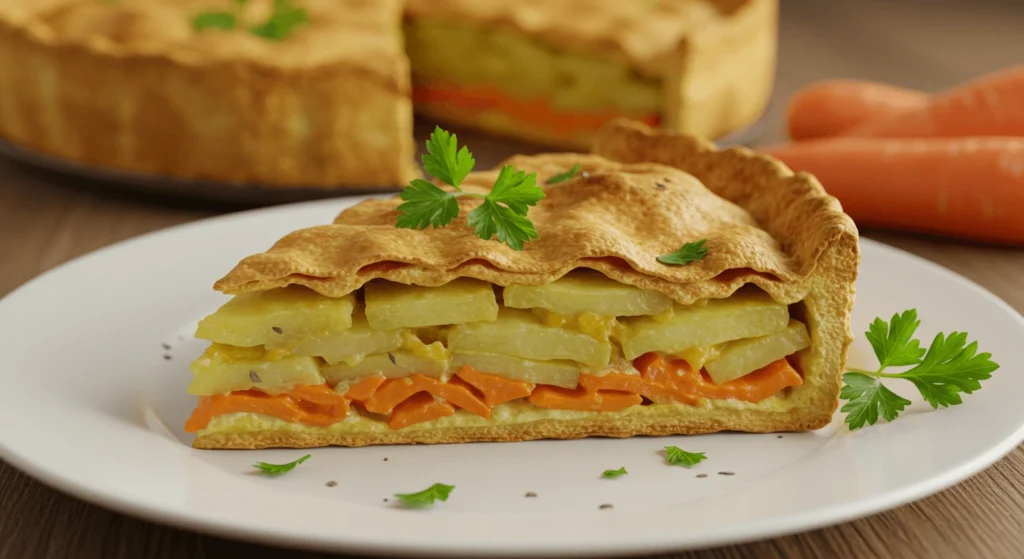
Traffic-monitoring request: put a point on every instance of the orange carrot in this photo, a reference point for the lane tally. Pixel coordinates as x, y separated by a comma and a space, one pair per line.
832, 107
992, 105
967, 187
418, 408
545, 396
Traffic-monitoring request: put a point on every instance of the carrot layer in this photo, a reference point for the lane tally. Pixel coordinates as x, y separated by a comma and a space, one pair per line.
310, 405
418, 408
419, 398
581, 399
537, 113
395, 391
496, 390
754, 387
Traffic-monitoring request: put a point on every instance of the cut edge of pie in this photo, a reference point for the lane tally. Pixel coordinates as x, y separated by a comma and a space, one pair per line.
148, 94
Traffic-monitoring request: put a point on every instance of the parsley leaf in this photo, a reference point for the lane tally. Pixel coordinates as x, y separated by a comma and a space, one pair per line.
444, 160
283, 19
214, 20
427, 497
278, 469
679, 457
504, 208
893, 345
426, 204
615, 473
690, 252
517, 191
491, 219
562, 177
867, 399
950, 366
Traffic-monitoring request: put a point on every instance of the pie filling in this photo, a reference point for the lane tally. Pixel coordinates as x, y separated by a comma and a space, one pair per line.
478, 72
402, 354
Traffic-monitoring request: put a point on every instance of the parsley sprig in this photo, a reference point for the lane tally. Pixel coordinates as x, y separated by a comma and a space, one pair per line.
278, 469
679, 457
612, 474
427, 497
562, 177
504, 208
282, 20
689, 252
950, 366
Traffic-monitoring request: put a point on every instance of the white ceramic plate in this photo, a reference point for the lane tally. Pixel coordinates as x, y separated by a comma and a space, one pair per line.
93, 404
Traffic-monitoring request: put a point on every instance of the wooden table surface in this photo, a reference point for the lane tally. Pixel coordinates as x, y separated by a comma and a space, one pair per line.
46, 219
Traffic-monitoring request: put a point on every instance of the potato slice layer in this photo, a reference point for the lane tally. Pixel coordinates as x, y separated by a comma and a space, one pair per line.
556, 373
746, 356
224, 369
276, 318
587, 291
743, 315
390, 306
522, 334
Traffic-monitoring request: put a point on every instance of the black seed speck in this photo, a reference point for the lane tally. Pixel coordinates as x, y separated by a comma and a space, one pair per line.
779, 437
391, 356
530, 494
702, 475
605, 506
166, 345
385, 458
253, 376
659, 186
726, 473
385, 499
276, 329
167, 357
331, 483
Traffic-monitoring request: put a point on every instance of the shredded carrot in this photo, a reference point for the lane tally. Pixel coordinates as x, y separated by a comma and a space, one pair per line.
418, 408
496, 390
834, 107
395, 391
310, 405
966, 187
753, 387
581, 399
653, 391
365, 388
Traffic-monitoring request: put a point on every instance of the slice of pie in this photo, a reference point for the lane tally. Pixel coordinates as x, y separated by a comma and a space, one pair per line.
555, 72
360, 333
252, 92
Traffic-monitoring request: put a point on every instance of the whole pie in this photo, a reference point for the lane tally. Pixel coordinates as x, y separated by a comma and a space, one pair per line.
361, 332
322, 92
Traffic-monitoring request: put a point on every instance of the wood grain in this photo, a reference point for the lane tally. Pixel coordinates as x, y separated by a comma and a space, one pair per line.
46, 219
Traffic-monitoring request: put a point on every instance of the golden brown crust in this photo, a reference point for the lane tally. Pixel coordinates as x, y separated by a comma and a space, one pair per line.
644, 194
133, 86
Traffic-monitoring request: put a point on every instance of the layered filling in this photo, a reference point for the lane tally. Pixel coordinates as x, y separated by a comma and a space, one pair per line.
504, 79
402, 355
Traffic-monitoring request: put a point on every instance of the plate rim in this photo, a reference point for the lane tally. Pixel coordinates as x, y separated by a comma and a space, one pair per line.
792, 523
